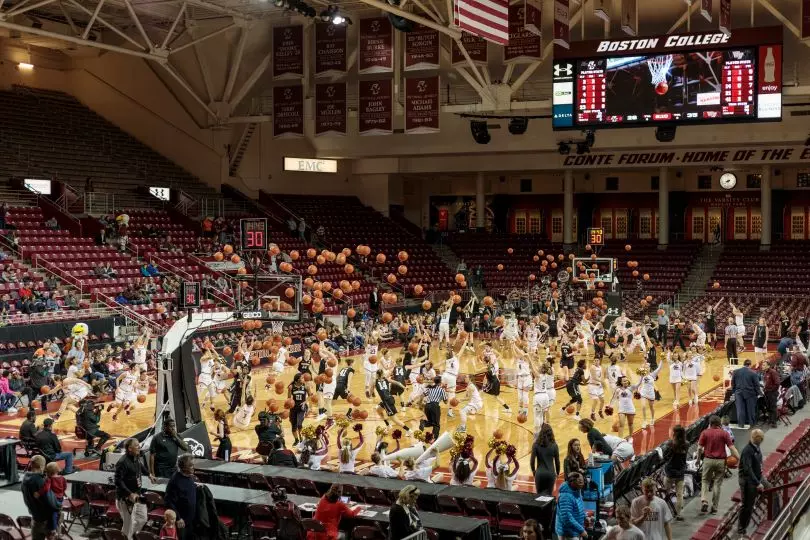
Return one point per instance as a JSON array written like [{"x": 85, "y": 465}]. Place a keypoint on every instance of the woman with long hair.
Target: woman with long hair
[
  {"x": 463, "y": 468},
  {"x": 347, "y": 453},
  {"x": 626, "y": 409},
  {"x": 297, "y": 391},
  {"x": 315, "y": 450},
  {"x": 675, "y": 373},
  {"x": 403, "y": 516},
  {"x": 329, "y": 511},
  {"x": 675, "y": 467},
  {"x": 545, "y": 461},
  {"x": 499, "y": 474},
  {"x": 222, "y": 434},
  {"x": 574, "y": 461}
]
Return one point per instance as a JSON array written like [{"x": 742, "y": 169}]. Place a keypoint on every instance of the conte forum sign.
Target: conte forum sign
[{"x": 639, "y": 158}]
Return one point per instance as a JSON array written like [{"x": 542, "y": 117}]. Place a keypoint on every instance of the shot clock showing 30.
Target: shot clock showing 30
[{"x": 254, "y": 234}]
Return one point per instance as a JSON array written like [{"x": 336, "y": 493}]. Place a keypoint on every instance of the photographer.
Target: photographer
[
  {"x": 128, "y": 498},
  {"x": 89, "y": 417},
  {"x": 164, "y": 450}
]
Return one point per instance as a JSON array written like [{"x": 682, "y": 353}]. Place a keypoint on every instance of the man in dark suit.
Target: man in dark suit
[
  {"x": 751, "y": 479},
  {"x": 374, "y": 300},
  {"x": 746, "y": 389}
]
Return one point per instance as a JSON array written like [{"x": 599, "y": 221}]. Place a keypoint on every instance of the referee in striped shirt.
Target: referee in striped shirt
[
  {"x": 433, "y": 411},
  {"x": 731, "y": 341}
]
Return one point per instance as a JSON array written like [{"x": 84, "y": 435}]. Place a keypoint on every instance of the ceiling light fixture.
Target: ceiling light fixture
[{"x": 480, "y": 132}]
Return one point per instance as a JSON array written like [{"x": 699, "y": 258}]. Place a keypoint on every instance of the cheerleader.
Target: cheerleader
[
  {"x": 314, "y": 450},
  {"x": 464, "y": 467},
  {"x": 524, "y": 379},
  {"x": 614, "y": 370},
  {"x": 572, "y": 386},
  {"x": 139, "y": 349},
  {"x": 646, "y": 390},
  {"x": 444, "y": 321},
  {"x": 474, "y": 406},
  {"x": 370, "y": 364},
  {"x": 450, "y": 377},
  {"x": 347, "y": 453},
  {"x": 410, "y": 470},
  {"x": 244, "y": 413},
  {"x": 223, "y": 435},
  {"x": 626, "y": 409},
  {"x": 297, "y": 391},
  {"x": 596, "y": 389},
  {"x": 675, "y": 374},
  {"x": 499, "y": 476},
  {"x": 740, "y": 324},
  {"x": 566, "y": 358},
  {"x": 690, "y": 375},
  {"x": 125, "y": 394},
  {"x": 542, "y": 401},
  {"x": 759, "y": 341},
  {"x": 206, "y": 387}
]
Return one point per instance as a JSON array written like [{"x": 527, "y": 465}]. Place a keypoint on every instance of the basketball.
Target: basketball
[
  {"x": 418, "y": 289},
  {"x": 284, "y": 415},
  {"x": 732, "y": 462},
  {"x": 328, "y": 372},
  {"x": 510, "y": 251},
  {"x": 279, "y": 387},
  {"x": 372, "y": 359},
  {"x": 331, "y": 362},
  {"x": 363, "y": 415},
  {"x": 236, "y": 259},
  {"x": 45, "y": 390},
  {"x": 307, "y": 377},
  {"x": 609, "y": 410},
  {"x": 716, "y": 377},
  {"x": 402, "y": 256},
  {"x": 314, "y": 399},
  {"x": 387, "y": 317},
  {"x": 141, "y": 398},
  {"x": 356, "y": 401},
  {"x": 273, "y": 406},
  {"x": 287, "y": 341},
  {"x": 227, "y": 351},
  {"x": 570, "y": 409},
  {"x": 381, "y": 258},
  {"x": 454, "y": 402},
  {"x": 350, "y": 313},
  {"x": 661, "y": 88},
  {"x": 521, "y": 418},
  {"x": 716, "y": 285},
  {"x": 271, "y": 379},
  {"x": 315, "y": 347},
  {"x": 255, "y": 361},
  {"x": 289, "y": 403},
  {"x": 500, "y": 267},
  {"x": 238, "y": 357}
]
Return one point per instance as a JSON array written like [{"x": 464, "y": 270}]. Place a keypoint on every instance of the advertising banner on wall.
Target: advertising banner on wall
[
  {"x": 330, "y": 109},
  {"x": 288, "y": 111},
  {"x": 422, "y": 104},
  {"x": 476, "y": 47},
  {"x": 376, "y": 46},
  {"x": 421, "y": 49},
  {"x": 288, "y": 52},
  {"x": 524, "y": 46},
  {"x": 629, "y": 17},
  {"x": 375, "y": 110},
  {"x": 562, "y": 24},
  {"x": 330, "y": 49}
]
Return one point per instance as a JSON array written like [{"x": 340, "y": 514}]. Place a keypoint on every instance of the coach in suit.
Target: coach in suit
[{"x": 746, "y": 388}]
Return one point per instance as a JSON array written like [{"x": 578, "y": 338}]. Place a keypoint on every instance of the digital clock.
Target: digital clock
[
  {"x": 189, "y": 296},
  {"x": 596, "y": 236},
  {"x": 254, "y": 234}
]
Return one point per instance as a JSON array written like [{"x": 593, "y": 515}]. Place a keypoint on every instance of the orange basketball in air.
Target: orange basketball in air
[
  {"x": 497, "y": 434},
  {"x": 141, "y": 398},
  {"x": 716, "y": 377},
  {"x": 45, "y": 390},
  {"x": 279, "y": 387},
  {"x": 615, "y": 427},
  {"x": 271, "y": 379},
  {"x": 356, "y": 401},
  {"x": 372, "y": 359},
  {"x": 227, "y": 351},
  {"x": 289, "y": 403},
  {"x": 521, "y": 418},
  {"x": 570, "y": 409}
]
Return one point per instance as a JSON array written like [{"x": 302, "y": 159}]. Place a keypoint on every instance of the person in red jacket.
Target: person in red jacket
[{"x": 329, "y": 511}]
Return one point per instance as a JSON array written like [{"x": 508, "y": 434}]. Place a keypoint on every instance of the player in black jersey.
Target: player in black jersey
[
  {"x": 566, "y": 358},
  {"x": 599, "y": 340},
  {"x": 305, "y": 365},
  {"x": 804, "y": 333},
  {"x": 297, "y": 391},
  {"x": 572, "y": 386},
  {"x": 384, "y": 386},
  {"x": 400, "y": 375},
  {"x": 784, "y": 325},
  {"x": 344, "y": 374}
]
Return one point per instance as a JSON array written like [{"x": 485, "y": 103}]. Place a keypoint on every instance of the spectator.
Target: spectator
[
  {"x": 50, "y": 302},
  {"x": 381, "y": 468},
  {"x": 531, "y": 530},
  {"x": 624, "y": 528},
  {"x": 28, "y": 429},
  {"x": 750, "y": 478},
  {"x": 128, "y": 473},
  {"x": 164, "y": 449},
  {"x": 51, "y": 448},
  {"x": 90, "y": 420},
  {"x": 51, "y": 282},
  {"x": 181, "y": 496},
  {"x": 52, "y": 224},
  {"x": 3, "y": 214},
  {"x": 595, "y": 437},
  {"x": 292, "y": 226},
  {"x": 712, "y": 446},
  {"x": 7, "y": 397},
  {"x": 208, "y": 227},
  {"x": 17, "y": 385},
  {"x": 302, "y": 228},
  {"x": 745, "y": 387},
  {"x": 650, "y": 513},
  {"x": 772, "y": 382},
  {"x": 282, "y": 457},
  {"x": 166, "y": 244},
  {"x": 57, "y": 486},
  {"x": 38, "y": 507},
  {"x": 675, "y": 467},
  {"x": 403, "y": 517},
  {"x": 320, "y": 232},
  {"x": 570, "y": 521},
  {"x": 545, "y": 461},
  {"x": 329, "y": 511},
  {"x": 71, "y": 302},
  {"x": 574, "y": 460},
  {"x": 144, "y": 270}
]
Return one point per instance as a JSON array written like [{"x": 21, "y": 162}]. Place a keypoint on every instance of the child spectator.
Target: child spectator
[
  {"x": 57, "y": 485},
  {"x": 169, "y": 529}
]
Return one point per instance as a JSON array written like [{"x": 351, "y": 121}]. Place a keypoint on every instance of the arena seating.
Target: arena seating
[
  {"x": 347, "y": 223},
  {"x": 743, "y": 267},
  {"x": 749, "y": 305}
]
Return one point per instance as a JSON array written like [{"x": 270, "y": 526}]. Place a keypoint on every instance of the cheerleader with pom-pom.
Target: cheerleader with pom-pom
[
  {"x": 626, "y": 409},
  {"x": 646, "y": 391},
  {"x": 596, "y": 389},
  {"x": 675, "y": 374},
  {"x": 463, "y": 464},
  {"x": 314, "y": 447},
  {"x": 347, "y": 453},
  {"x": 690, "y": 374},
  {"x": 499, "y": 474}
]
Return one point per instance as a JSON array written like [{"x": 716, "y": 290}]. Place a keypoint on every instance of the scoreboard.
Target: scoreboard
[
  {"x": 596, "y": 236},
  {"x": 254, "y": 234},
  {"x": 676, "y": 79}
]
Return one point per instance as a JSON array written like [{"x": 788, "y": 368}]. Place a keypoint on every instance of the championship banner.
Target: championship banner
[
  {"x": 805, "y": 26},
  {"x": 725, "y": 17},
  {"x": 422, "y": 105},
  {"x": 288, "y": 111},
  {"x": 375, "y": 107},
  {"x": 330, "y": 49},
  {"x": 601, "y": 9},
  {"x": 288, "y": 52},
  {"x": 706, "y": 9},
  {"x": 421, "y": 49},
  {"x": 476, "y": 47},
  {"x": 533, "y": 15},
  {"x": 524, "y": 46},
  {"x": 630, "y": 17},
  {"x": 376, "y": 46},
  {"x": 562, "y": 24},
  {"x": 330, "y": 109}
]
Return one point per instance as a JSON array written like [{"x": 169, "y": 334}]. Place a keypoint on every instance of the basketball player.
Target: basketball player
[
  {"x": 524, "y": 379},
  {"x": 444, "y": 321},
  {"x": 474, "y": 406},
  {"x": 281, "y": 359},
  {"x": 205, "y": 382},
  {"x": 383, "y": 387},
  {"x": 700, "y": 336},
  {"x": 329, "y": 388},
  {"x": 450, "y": 377},
  {"x": 298, "y": 392},
  {"x": 566, "y": 358},
  {"x": 342, "y": 382},
  {"x": 125, "y": 394},
  {"x": 614, "y": 370},
  {"x": 510, "y": 333},
  {"x": 572, "y": 386},
  {"x": 760, "y": 340},
  {"x": 139, "y": 348},
  {"x": 740, "y": 324},
  {"x": 370, "y": 366},
  {"x": 532, "y": 336},
  {"x": 75, "y": 390},
  {"x": 626, "y": 409},
  {"x": 541, "y": 400},
  {"x": 596, "y": 389},
  {"x": 710, "y": 323}
]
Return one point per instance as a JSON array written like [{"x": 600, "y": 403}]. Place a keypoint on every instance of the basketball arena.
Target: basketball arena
[{"x": 447, "y": 269}]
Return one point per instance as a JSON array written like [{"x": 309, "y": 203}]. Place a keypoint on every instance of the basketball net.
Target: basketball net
[
  {"x": 659, "y": 68},
  {"x": 277, "y": 326}
]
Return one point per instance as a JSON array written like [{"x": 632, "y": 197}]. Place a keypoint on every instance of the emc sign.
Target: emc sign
[{"x": 310, "y": 165}]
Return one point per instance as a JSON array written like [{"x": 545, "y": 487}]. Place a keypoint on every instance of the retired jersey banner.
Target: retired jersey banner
[
  {"x": 725, "y": 17},
  {"x": 805, "y": 19},
  {"x": 375, "y": 111},
  {"x": 330, "y": 109},
  {"x": 524, "y": 46},
  {"x": 288, "y": 52},
  {"x": 706, "y": 9},
  {"x": 421, "y": 49},
  {"x": 601, "y": 9},
  {"x": 376, "y": 46},
  {"x": 630, "y": 17},
  {"x": 562, "y": 24},
  {"x": 330, "y": 49},
  {"x": 533, "y": 16},
  {"x": 422, "y": 104},
  {"x": 288, "y": 111},
  {"x": 476, "y": 47}
]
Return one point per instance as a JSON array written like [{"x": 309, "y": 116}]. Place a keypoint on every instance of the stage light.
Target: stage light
[
  {"x": 564, "y": 148},
  {"x": 665, "y": 133},
  {"x": 518, "y": 125},
  {"x": 25, "y": 66},
  {"x": 480, "y": 132},
  {"x": 590, "y": 138},
  {"x": 583, "y": 148}
]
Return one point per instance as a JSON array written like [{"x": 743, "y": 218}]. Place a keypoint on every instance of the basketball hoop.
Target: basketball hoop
[
  {"x": 277, "y": 326},
  {"x": 659, "y": 68}
]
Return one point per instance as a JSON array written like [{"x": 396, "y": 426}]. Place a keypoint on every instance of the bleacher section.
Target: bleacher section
[{"x": 743, "y": 268}]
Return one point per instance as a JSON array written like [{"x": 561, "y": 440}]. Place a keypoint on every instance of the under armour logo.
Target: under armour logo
[
  {"x": 375, "y": 89},
  {"x": 421, "y": 86},
  {"x": 330, "y": 91},
  {"x": 563, "y": 70}
]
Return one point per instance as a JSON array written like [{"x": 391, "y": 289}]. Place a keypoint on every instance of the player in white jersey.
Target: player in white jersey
[
  {"x": 614, "y": 370},
  {"x": 626, "y": 409},
  {"x": 646, "y": 390},
  {"x": 243, "y": 416},
  {"x": 700, "y": 337},
  {"x": 740, "y": 324},
  {"x": 622, "y": 449},
  {"x": 532, "y": 336},
  {"x": 584, "y": 332},
  {"x": 281, "y": 359},
  {"x": 675, "y": 374},
  {"x": 541, "y": 401},
  {"x": 139, "y": 349},
  {"x": 524, "y": 378},
  {"x": 450, "y": 377},
  {"x": 386, "y": 362},
  {"x": 637, "y": 339},
  {"x": 474, "y": 406},
  {"x": 620, "y": 325},
  {"x": 596, "y": 389},
  {"x": 125, "y": 391},
  {"x": 206, "y": 387},
  {"x": 444, "y": 321},
  {"x": 327, "y": 393},
  {"x": 416, "y": 377},
  {"x": 370, "y": 367},
  {"x": 75, "y": 390},
  {"x": 691, "y": 367},
  {"x": 511, "y": 332}
]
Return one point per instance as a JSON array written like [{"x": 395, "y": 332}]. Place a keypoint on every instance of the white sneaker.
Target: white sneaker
[
  {"x": 674, "y": 404},
  {"x": 644, "y": 425},
  {"x": 320, "y": 417},
  {"x": 576, "y": 417},
  {"x": 450, "y": 414},
  {"x": 12, "y": 410}
]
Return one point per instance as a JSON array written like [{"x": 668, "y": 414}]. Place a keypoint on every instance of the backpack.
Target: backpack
[{"x": 289, "y": 522}]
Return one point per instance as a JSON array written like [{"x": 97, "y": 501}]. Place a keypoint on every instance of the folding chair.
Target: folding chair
[{"x": 72, "y": 512}]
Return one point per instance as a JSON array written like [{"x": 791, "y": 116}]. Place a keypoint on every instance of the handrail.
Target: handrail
[
  {"x": 791, "y": 511},
  {"x": 82, "y": 313},
  {"x": 232, "y": 284},
  {"x": 127, "y": 311},
  {"x": 62, "y": 201},
  {"x": 179, "y": 272},
  {"x": 15, "y": 250},
  {"x": 41, "y": 262}
]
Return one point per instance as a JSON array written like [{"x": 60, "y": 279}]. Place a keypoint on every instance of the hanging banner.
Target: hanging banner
[
  {"x": 706, "y": 9},
  {"x": 330, "y": 49},
  {"x": 524, "y": 46},
  {"x": 422, "y": 105},
  {"x": 562, "y": 24},
  {"x": 630, "y": 17},
  {"x": 476, "y": 47},
  {"x": 532, "y": 16},
  {"x": 375, "y": 110},
  {"x": 330, "y": 109},
  {"x": 725, "y": 17},
  {"x": 805, "y": 19},
  {"x": 288, "y": 52},
  {"x": 288, "y": 111},
  {"x": 601, "y": 9},
  {"x": 376, "y": 46},
  {"x": 421, "y": 49}
]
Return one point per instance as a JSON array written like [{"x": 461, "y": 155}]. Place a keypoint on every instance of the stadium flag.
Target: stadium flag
[
  {"x": 725, "y": 17},
  {"x": 330, "y": 108},
  {"x": 630, "y": 17},
  {"x": 288, "y": 52},
  {"x": 805, "y": 19},
  {"x": 376, "y": 46},
  {"x": 421, "y": 49},
  {"x": 476, "y": 49},
  {"x": 488, "y": 19},
  {"x": 375, "y": 110},
  {"x": 533, "y": 13},
  {"x": 601, "y": 8},
  {"x": 706, "y": 9},
  {"x": 562, "y": 23},
  {"x": 422, "y": 104},
  {"x": 288, "y": 111},
  {"x": 330, "y": 49}
]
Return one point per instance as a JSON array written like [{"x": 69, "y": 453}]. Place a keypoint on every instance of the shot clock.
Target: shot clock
[
  {"x": 596, "y": 236},
  {"x": 254, "y": 234},
  {"x": 190, "y": 295}
]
